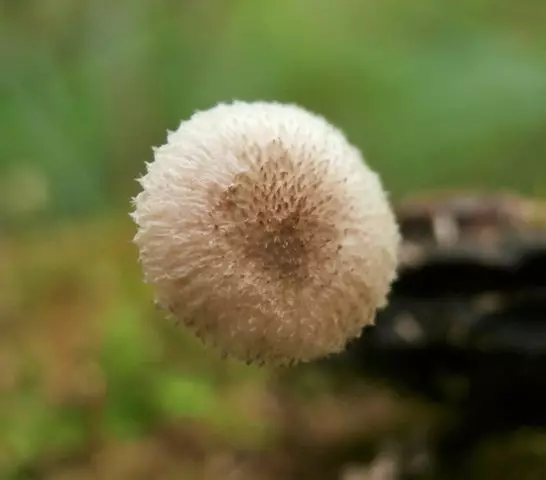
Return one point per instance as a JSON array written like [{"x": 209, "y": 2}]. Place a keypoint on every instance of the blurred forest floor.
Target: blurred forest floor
[
  {"x": 96, "y": 384},
  {"x": 91, "y": 380}
]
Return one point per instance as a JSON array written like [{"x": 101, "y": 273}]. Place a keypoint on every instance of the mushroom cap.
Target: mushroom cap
[{"x": 263, "y": 231}]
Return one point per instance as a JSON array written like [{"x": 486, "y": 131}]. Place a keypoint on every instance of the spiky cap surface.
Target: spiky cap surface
[{"x": 263, "y": 230}]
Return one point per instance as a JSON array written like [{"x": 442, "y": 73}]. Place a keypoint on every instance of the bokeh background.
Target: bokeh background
[{"x": 93, "y": 382}]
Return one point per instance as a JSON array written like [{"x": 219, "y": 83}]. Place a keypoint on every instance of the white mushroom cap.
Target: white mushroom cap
[{"x": 263, "y": 231}]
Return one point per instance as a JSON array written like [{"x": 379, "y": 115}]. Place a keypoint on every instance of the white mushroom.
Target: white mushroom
[{"x": 263, "y": 231}]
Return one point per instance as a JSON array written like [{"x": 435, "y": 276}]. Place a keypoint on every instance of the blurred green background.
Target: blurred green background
[{"x": 437, "y": 94}]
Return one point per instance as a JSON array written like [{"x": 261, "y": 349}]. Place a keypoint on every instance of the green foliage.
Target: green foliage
[
  {"x": 436, "y": 94},
  {"x": 142, "y": 393},
  {"x": 31, "y": 427}
]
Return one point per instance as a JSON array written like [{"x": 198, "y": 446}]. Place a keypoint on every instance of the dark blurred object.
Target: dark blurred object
[
  {"x": 469, "y": 244},
  {"x": 466, "y": 323}
]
